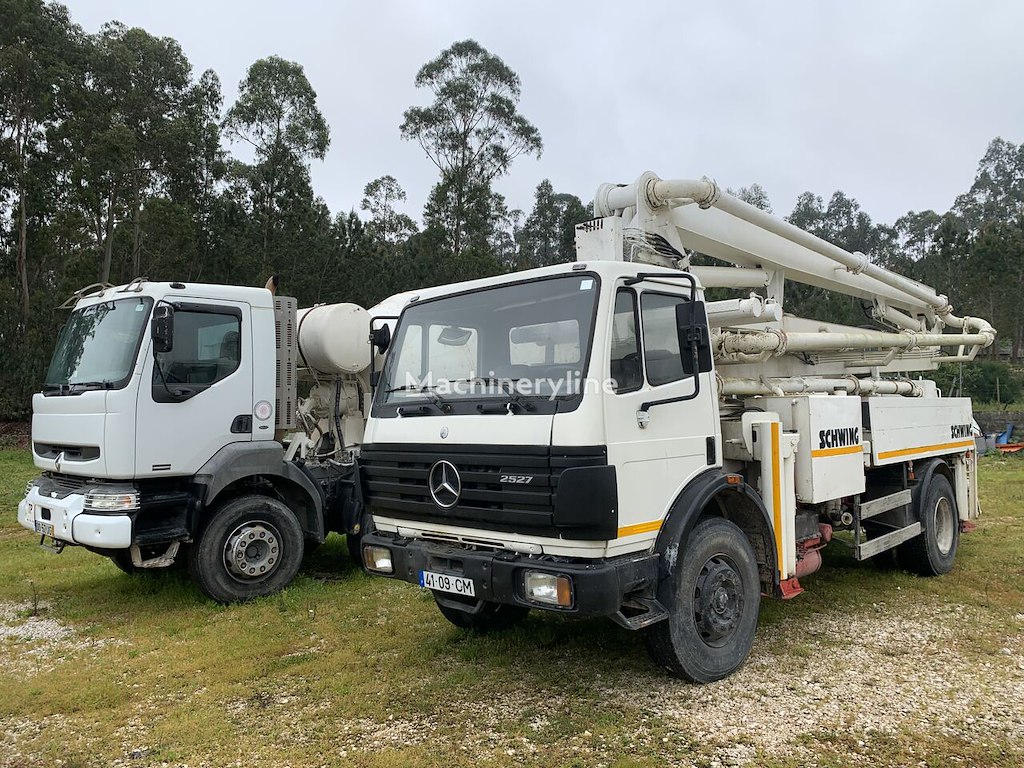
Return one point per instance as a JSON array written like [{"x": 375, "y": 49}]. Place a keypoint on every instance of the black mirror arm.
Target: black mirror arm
[{"x": 643, "y": 415}]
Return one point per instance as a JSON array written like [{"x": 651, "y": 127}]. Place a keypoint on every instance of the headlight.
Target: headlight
[
  {"x": 112, "y": 500},
  {"x": 378, "y": 559},
  {"x": 547, "y": 589}
]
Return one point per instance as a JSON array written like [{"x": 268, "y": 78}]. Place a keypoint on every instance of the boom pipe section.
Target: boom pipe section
[
  {"x": 797, "y": 385},
  {"x": 780, "y": 343},
  {"x": 660, "y": 193}
]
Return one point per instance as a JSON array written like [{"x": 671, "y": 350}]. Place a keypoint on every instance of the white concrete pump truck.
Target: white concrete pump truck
[
  {"x": 596, "y": 439},
  {"x": 169, "y": 428}
]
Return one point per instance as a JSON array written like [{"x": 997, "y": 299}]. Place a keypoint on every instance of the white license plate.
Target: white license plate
[
  {"x": 43, "y": 527},
  {"x": 444, "y": 582}
]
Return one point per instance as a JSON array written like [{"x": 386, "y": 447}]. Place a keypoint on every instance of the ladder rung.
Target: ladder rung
[
  {"x": 888, "y": 541},
  {"x": 884, "y": 504}
]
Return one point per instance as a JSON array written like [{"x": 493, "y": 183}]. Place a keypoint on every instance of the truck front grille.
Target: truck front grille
[{"x": 395, "y": 483}]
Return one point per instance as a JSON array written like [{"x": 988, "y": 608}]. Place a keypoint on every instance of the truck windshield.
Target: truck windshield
[
  {"x": 98, "y": 346},
  {"x": 517, "y": 342}
]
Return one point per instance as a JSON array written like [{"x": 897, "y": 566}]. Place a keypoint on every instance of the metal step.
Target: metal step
[
  {"x": 884, "y": 503},
  {"x": 888, "y": 541},
  {"x": 652, "y": 613}
]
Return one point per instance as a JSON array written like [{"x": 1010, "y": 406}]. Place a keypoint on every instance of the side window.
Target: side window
[
  {"x": 207, "y": 348},
  {"x": 661, "y": 342},
  {"x": 625, "y": 365}
]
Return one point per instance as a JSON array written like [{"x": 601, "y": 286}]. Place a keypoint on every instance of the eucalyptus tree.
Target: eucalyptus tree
[
  {"x": 379, "y": 199},
  {"x": 843, "y": 223},
  {"x": 38, "y": 46},
  {"x": 997, "y": 193},
  {"x": 115, "y": 146},
  {"x": 548, "y": 236},
  {"x": 755, "y": 195},
  {"x": 472, "y": 131},
  {"x": 276, "y": 114}
]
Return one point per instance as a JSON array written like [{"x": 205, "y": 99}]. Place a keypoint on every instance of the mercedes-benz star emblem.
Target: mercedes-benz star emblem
[{"x": 445, "y": 484}]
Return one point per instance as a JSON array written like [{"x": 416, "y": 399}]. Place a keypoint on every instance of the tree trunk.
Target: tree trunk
[
  {"x": 457, "y": 239},
  {"x": 136, "y": 233},
  {"x": 22, "y": 265},
  {"x": 23, "y": 255},
  {"x": 108, "y": 239}
]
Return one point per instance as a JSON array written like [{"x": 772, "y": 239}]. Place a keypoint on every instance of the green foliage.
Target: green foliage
[
  {"x": 113, "y": 165},
  {"x": 379, "y": 199},
  {"x": 548, "y": 237},
  {"x": 986, "y": 381}
]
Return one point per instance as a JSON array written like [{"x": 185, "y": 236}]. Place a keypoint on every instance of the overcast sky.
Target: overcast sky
[{"x": 891, "y": 102}]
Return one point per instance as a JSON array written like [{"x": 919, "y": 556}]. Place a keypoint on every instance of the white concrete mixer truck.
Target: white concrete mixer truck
[
  {"x": 169, "y": 429},
  {"x": 598, "y": 439}
]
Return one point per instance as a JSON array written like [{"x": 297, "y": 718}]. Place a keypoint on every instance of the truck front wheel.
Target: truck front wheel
[
  {"x": 252, "y": 547},
  {"x": 712, "y": 597}
]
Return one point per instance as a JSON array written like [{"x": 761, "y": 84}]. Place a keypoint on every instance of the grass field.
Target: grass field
[{"x": 867, "y": 667}]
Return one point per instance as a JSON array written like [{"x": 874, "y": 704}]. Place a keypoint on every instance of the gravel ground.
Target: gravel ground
[
  {"x": 32, "y": 640},
  {"x": 891, "y": 670}
]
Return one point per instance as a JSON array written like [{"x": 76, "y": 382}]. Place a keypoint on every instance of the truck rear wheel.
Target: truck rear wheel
[
  {"x": 712, "y": 598},
  {"x": 932, "y": 553},
  {"x": 252, "y": 547},
  {"x": 491, "y": 617}
]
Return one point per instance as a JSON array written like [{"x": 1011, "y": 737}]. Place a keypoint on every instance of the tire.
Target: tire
[
  {"x": 713, "y": 598},
  {"x": 492, "y": 617},
  {"x": 252, "y": 547},
  {"x": 932, "y": 553}
]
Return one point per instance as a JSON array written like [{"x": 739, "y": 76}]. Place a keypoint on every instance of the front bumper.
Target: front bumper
[
  {"x": 71, "y": 524},
  {"x": 599, "y": 586}
]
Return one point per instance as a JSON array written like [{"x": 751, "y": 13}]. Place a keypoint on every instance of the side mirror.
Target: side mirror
[
  {"x": 161, "y": 329},
  {"x": 381, "y": 338},
  {"x": 694, "y": 338}
]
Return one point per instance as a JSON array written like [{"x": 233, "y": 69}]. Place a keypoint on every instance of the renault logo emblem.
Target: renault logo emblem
[
  {"x": 445, "y": 484},
  {"x": 58, "y": 461}
]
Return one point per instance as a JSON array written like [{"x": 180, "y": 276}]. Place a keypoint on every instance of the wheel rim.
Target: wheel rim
[
  {"x": 945, "y": 525},
  {"x": 252, "y": 551},
  {"x": 718, "y": 601}
]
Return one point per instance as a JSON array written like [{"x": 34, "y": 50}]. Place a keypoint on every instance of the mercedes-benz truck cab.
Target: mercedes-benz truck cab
[{"x": 530, "y": 434}]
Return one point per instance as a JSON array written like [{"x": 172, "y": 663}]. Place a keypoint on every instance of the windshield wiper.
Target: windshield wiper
[
  {"x": 439, "y": 402},
  {"x": 82, "y": 386},
  {"x": 77, "y": 387},
  {"x": 515, "y": 397}
]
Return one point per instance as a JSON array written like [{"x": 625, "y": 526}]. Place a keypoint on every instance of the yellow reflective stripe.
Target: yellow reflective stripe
[
  {"x": 823, "y": 452},
  {"x": 633, "y": 530},
  {"x": 927, "y": 449},
  {"x": 777, "y": 492}
]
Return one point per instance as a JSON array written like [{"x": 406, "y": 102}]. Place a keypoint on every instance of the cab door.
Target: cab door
[
  {"x": 197, "y": 397},
  {"x": 657, "y": 454}
]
